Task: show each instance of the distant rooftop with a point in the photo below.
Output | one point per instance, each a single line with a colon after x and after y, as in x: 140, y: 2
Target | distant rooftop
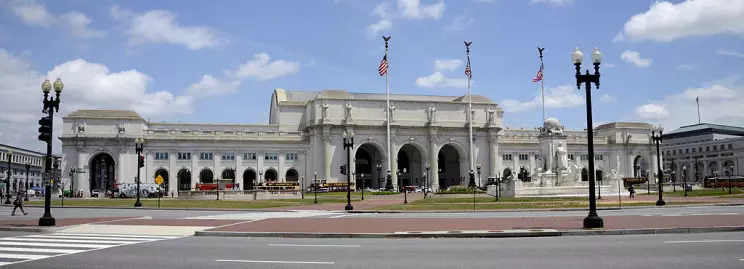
x: 306, y: 96
x: 705, y: 128
x: 104, y: 114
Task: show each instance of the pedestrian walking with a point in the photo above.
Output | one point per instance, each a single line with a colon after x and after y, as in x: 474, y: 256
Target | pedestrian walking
x: 18, y: 203
x: 632, y: 191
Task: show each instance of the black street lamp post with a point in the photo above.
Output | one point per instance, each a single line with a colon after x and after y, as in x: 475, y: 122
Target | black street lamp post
x: 674, y: 180
x: 379, y: 176
x: 657, y: 139
x: 362, y: 176
x: 348, y: 145
x: 731, y: 171
x: 684, y: 178
x: 315, y: 185
x: 28, y: 167
x: 426, y: 180
x: 51, y: 105
x: 7, y: 180
x: 592, y: 220
x: 139, y: 145
x: 648, y: 182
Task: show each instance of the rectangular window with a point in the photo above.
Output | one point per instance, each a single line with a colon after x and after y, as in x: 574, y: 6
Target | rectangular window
x: 523, y: 157
x: 506, y: 157
x: 693, y: 150
x: 270, y: 157
x: 161, y: 155
x: 715, y: 148
x: 249, y: 156
x: 206, y: 156
x: 584, y: 157
x: 571, y: 157
x: 707, y: 148
x: 291, y: 156
x: 184, y: 156
x: 598, y: 157
x: 230, y: 156
x: 687, y: 151
x: 731, y: 146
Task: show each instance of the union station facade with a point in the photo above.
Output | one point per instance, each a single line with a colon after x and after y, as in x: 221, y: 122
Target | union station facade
x: 303, y: 142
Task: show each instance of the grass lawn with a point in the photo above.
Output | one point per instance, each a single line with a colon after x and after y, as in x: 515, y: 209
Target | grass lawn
x: 702, y: 193
x: 496, y: 206
x: 169, y: 203
x: 458, y: 200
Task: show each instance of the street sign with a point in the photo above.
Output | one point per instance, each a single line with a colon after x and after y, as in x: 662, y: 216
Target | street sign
x: 159, y: 180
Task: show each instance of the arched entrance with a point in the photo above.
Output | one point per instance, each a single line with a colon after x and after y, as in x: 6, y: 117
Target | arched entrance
x: 584, y: 174
x: 206, y: 176
x: 449, y: 165
x: 229, y: 173
x: 367, y: 158
x: 164, y: 174
x: 184, y: 180
x: 292, y: 175
x: 102, y: 172
x: 639, y: 167
x: 249, y: 178
x: 409, y: 165
x: 270, y: 175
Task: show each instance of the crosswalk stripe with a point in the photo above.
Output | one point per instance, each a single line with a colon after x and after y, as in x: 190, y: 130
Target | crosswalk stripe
x: 23, y: 256
x: 8, y: 243
x: 26, y: 239
x: 153, y: 237
x: 88, y: 237
x: 5, y: 263
x: 41, y: 250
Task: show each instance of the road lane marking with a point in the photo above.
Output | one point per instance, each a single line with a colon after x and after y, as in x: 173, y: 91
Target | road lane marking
x: 338, y: 216
x: 108, y: 242
x: 88, y: 237
x: 703, y: 241
x: 330, y: 246
x: 144, y: 237
x: 23, y: 256
x: 284, y: 262
x: 53, y: 245
x: 40, y: 250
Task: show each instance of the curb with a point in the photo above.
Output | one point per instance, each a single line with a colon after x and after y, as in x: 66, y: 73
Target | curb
x: 384, y: 211
x: 33, y: 229
x: 475, y: 234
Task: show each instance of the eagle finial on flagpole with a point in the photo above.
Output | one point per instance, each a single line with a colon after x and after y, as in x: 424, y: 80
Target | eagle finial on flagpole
x: 539, y: 49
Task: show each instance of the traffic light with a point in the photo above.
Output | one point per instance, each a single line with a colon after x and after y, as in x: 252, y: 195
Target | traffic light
x: 45, y: 129
x: 343, y: 169
x: 141, y: 161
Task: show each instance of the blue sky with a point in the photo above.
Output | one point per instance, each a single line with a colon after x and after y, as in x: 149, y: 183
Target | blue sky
x: 218, y: 61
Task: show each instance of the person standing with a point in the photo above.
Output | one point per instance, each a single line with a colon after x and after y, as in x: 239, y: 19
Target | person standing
x: 18, y: 203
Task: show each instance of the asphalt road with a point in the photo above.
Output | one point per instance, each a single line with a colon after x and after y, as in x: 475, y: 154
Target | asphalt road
x: 712, y: 250
x: 36, y: 212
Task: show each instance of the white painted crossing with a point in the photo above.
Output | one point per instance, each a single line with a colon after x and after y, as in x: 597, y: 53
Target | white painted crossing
x: 35, y: 247
x: 271, y: 215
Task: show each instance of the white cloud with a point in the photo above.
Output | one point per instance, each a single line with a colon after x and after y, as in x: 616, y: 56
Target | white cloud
x: 447, y: 65
x: 564, y: 96
x: 160, y: 26
x: 461, y: 22
x: 553, y: 2
x: 87, y: 86
x: 635, y: 58
x: 78, y: 24
x: 730, y: 53
x: 33, y: 13
x: 652, y: 112
x: 665, y: 21
x: 607, y: 98
x: 209, y: 86
x: 439, y: 80
x: 413, y: 9
x: 720, y: 102
x: 374, y: 30
x: 684, y: 67
x: 609, y: 65
x: 261, y: 68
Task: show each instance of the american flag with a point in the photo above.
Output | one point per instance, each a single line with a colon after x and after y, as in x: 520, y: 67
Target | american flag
x: 383, y: 66
x: 468, y: 72
x: 539, y: 74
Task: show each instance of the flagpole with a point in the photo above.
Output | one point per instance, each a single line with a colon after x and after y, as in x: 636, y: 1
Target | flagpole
x: 470, y: 110
x: 387, y: 110
x: 542, y: 82
x: 697, y: 100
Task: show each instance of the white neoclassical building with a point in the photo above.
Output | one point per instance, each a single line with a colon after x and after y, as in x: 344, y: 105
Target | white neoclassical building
x: 304, y: 139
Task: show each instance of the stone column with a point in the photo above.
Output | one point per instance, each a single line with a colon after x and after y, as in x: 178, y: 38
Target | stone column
x: 433, y: 177
x: 173, y: 174
x: 281, y: 170
x: 515, y: 159
x: 80, y: 179
x: 493, y: 154
x: 194, y: 170
x: 394, y: 165
x: 327, y: 154
x: 150, y: 168
x: 239, y: 168
x: 122, y: 164
x: 532, y: 163
x: 217, y: 165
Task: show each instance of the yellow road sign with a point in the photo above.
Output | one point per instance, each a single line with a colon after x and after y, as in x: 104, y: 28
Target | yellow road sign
x: 159, y: 179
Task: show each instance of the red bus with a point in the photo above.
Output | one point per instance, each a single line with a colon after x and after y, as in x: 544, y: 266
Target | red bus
x: 723, y: 181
